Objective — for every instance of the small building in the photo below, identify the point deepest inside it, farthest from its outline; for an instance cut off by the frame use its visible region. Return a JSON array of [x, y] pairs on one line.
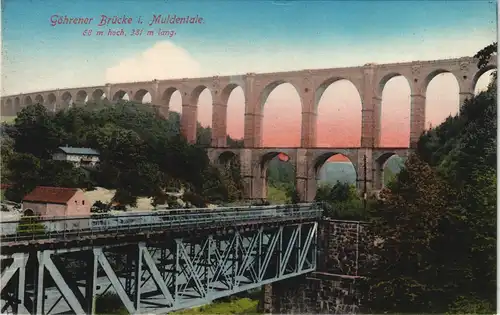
[[56, 201], [79, 156]]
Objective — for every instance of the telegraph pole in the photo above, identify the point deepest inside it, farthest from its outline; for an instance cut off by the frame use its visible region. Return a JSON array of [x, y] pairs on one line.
[[364, 182]]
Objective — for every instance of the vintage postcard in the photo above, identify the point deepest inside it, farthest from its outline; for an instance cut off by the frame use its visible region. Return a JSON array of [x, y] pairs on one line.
[[247, 157]]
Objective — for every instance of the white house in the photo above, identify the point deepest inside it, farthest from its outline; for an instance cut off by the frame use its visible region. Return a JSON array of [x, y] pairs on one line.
[[79, 156]]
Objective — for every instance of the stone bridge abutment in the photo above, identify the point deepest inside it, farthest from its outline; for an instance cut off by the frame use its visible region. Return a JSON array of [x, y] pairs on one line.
[[334, 288]]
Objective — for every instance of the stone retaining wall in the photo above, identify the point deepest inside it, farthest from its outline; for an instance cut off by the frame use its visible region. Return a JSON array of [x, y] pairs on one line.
[[333, 288]]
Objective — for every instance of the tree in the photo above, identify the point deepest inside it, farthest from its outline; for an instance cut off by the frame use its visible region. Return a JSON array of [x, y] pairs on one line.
[[99, 207], [142, 154], [61, 174], [411, 219], [484, 55], [438, 218], [293, 195], [340, 201], [28, 171], [7, 150], [35, 132], [24, 176]]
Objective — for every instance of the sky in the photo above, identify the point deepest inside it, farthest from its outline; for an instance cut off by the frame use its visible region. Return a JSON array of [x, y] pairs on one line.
[[237, 37]]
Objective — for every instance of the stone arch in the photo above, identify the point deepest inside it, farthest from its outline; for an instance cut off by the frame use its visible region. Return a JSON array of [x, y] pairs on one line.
[[317, 166], [226, 156], [226, 92], [380, 164], [119, 95], [322, 159], [9, 110], [267, 116], [29, 212], [67, 99], [480, 73], [200, 110], [269, 88], [393, 130], [27, 101], [431, 75], [196, 92], [82, 97], [17, 104], [320, 90], [263, 170], [442, 96], [221, 110], [140, 94], [39, 99], [342, 111], [98, 95], [169, 96], [386, 78], [51, 102], [229, 161]]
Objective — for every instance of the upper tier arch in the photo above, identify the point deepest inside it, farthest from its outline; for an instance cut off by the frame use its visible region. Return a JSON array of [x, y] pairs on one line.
[[307, 82]]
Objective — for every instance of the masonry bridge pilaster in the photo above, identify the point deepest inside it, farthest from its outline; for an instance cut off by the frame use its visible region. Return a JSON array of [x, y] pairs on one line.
[[307, 163]]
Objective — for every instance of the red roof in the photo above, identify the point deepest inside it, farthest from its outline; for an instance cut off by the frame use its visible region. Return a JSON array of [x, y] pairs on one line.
[[59, 195]]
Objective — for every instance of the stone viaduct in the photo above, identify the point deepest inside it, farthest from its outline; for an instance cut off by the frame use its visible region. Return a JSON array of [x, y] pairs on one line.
[[369, 80]]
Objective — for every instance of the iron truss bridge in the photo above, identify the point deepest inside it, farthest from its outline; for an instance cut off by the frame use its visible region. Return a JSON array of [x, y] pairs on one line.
[[154, 262]]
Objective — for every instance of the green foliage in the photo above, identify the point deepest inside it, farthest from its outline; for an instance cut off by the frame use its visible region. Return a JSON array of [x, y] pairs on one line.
[[110, 303], [7, 150], [277, 195], [471, 305], [141, 153], [341, 201], [35, 132], [437, 219], [234, 306], [30, 225], [27, 171], [280, 173], [99, 207], [485, 55], [293, 195], [413, 219], [281, 182]]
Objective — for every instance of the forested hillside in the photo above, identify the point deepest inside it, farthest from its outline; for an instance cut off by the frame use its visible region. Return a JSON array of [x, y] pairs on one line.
[[437, 219], [142, 154]]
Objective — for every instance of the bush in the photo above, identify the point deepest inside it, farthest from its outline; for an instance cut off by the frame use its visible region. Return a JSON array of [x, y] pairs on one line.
[[110, 303], [341, 201], [99, 207], [471, 305], [30, 225], [194, 199]]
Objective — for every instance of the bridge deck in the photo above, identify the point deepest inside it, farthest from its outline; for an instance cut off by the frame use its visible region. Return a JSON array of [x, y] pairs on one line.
[[64, 232]]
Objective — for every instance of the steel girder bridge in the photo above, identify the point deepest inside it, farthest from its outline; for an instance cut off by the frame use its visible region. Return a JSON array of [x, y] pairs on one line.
[[154, 262]]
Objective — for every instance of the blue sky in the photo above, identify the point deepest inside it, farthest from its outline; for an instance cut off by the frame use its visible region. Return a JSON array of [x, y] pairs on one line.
[[237, 36]]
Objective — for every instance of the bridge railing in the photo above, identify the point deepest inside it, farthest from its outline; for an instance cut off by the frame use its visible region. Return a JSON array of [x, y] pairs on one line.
[[65, 228]]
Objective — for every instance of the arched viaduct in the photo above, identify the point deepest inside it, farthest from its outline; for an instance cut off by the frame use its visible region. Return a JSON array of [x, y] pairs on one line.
[[369, 80]]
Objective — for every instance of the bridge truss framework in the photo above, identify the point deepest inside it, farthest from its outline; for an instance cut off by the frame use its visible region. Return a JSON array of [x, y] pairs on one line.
[[157, 276]]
